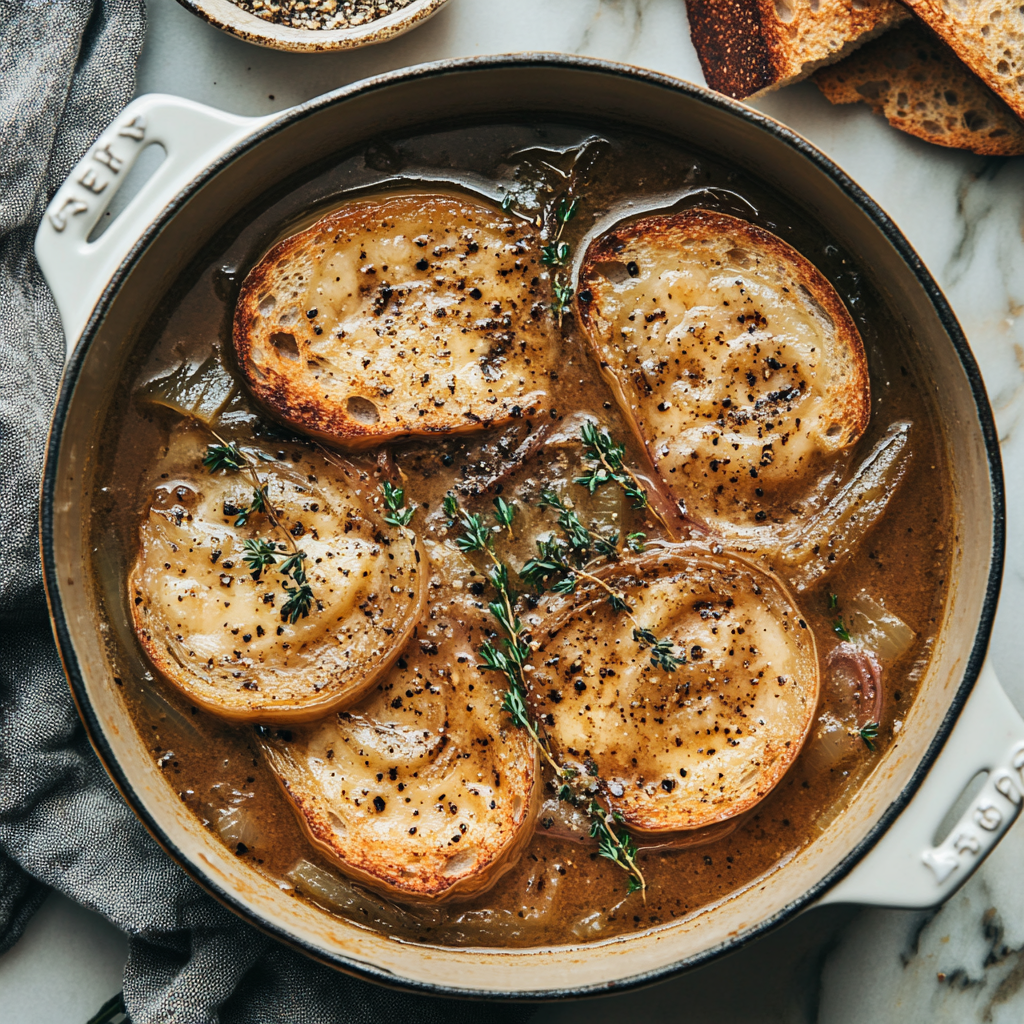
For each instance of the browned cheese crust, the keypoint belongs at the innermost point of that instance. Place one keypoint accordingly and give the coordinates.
(734, 359)
(215, 629)
(425, 791)
(686, 748)
(988, 36)
(396, 317)
(921, 87)
(748, 47)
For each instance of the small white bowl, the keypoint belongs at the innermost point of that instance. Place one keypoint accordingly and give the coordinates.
(231, 18)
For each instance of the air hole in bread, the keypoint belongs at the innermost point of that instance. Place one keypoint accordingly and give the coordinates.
(362, 410)
(783, 10)
(739, 256)
(339, 826)
(285, 344)
(289, 316)
(834, 430)
(460, 863)
(267, 303)
(517, 807)
(614, 271)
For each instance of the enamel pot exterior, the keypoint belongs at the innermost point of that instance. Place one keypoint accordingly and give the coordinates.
(257, 161)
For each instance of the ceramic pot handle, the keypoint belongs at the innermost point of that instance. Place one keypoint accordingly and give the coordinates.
(77, 269)
(905, 869)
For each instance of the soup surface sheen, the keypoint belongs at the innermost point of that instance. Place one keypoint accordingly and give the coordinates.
(889, 591)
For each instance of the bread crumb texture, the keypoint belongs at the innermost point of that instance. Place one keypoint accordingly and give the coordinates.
(988, 36)
(916, 81)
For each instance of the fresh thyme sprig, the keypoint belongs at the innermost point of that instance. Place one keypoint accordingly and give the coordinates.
(260, 554)
(869, 733)
(618, 848)
(563, 563)
(394, 500)
(510, 660)
(609, 466)
(557, 255)
(838, 626)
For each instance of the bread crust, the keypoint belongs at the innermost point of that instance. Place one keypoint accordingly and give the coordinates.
(918, 84)
(746, 48)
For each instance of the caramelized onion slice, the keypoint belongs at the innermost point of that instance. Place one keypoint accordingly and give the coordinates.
(734, 358)
(828, 539)
(425, 791)
(686, 748)
(400, 315)
(217, 632)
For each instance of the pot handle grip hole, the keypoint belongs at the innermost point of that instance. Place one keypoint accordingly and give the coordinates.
(917, 863)
(85, 234)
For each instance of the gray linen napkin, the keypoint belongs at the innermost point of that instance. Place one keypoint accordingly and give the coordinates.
(66, 68)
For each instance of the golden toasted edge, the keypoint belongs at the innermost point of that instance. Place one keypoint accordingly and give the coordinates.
(851, 401)
(666, 560)
(248, 708)
(435, 888)
(911, 63)
(291, 398)
(744, 49)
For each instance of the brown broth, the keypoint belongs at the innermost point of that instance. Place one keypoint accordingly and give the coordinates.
(560, 891)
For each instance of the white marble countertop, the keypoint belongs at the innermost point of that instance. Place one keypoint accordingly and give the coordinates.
(965, 215)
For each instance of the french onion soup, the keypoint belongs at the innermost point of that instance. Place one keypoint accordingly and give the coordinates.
(520, 535)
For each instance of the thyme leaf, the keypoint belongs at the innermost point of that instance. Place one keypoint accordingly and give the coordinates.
(869, 733)
(394, 500)
(225, 457)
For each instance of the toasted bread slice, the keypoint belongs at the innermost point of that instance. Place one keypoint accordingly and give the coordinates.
(734, 358)
(922, 88)
(987, 36)
(686, 748)
(398, 316)
(218, 631)
(748, 47)
(425, 791)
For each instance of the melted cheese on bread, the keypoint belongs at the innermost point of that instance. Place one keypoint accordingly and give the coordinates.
(735, 359)
(398, 316)
(686, 748)
(216, 629)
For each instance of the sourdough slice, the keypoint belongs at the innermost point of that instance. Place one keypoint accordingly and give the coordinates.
(988, 36)
(218, 632)
(734, 358)
(747, 47)
(686, 748)
(424, 791)
(916, 81)
(396, 316)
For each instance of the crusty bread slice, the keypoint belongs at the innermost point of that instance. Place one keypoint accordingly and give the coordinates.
(733, 357)
(988, 36)
(747, 47)
(217, 631)
(914, 79)
(401, 315)
(680, 749)
(425, 791)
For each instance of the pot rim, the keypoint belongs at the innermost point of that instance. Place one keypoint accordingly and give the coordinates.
(425, 72)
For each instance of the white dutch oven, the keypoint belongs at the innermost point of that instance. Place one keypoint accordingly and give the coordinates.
(881, 850)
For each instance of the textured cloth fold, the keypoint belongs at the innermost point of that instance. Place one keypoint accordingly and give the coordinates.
(66, 68)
